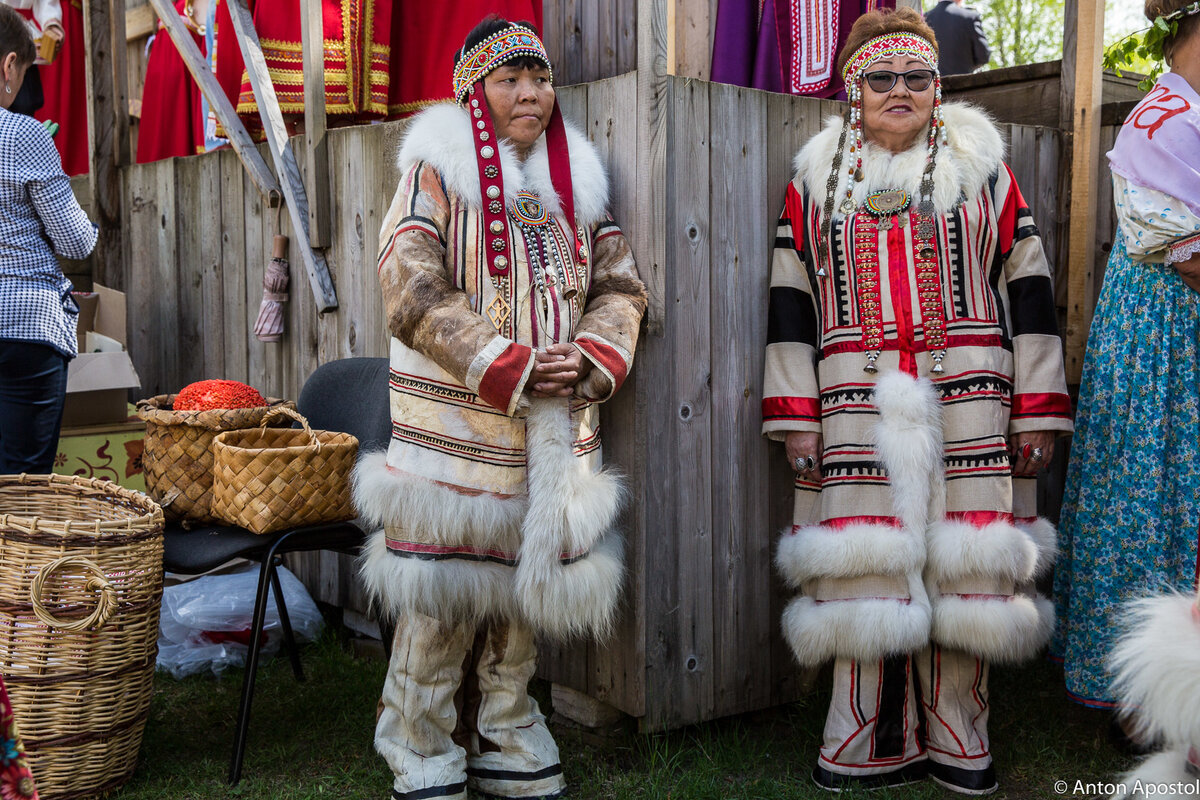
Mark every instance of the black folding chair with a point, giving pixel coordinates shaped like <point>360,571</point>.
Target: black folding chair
<point>351,396</point>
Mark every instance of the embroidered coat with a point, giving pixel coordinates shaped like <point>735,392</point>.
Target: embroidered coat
<point>915,523</point>
<point>493,503</point>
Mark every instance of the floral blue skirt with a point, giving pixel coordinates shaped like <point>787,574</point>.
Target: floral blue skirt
<point>1132,503</point>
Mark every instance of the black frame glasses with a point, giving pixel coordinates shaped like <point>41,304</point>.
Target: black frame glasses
<point>917,80</point>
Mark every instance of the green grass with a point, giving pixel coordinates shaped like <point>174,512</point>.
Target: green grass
<point>313,741</point>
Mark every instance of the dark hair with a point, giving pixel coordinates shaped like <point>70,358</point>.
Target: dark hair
<point>1187,24</point>
<point>884,21</point>
<point>493,24</point>
<point>15,37</point>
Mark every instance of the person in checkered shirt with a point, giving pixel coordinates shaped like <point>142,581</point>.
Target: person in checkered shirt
<point>39,220</point>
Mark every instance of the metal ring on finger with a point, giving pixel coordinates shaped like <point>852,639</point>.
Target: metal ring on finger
<point>1037,454</point>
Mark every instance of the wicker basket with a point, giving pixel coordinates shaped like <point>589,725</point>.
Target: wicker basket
<point>178,459</point>
<point>80,587</point>
<point>267,479</point>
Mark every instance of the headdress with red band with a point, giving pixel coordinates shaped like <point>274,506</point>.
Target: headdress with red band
<point>513,42</point>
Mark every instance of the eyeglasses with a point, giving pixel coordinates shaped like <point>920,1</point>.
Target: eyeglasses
<point>882,80</point>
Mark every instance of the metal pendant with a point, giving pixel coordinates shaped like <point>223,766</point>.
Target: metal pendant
<point>821,273</point>
<point>497,312</point>
<point>902,220</point>
<point>885,224</point>
<point>848,206</point>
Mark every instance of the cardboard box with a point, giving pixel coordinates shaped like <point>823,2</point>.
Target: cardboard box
<point>98,383</point>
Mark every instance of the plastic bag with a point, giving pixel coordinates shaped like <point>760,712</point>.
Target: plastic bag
<point>205,623</point>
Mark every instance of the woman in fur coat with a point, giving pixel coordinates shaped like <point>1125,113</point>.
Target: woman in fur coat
<point>514,304</point>
<point>914,372</point>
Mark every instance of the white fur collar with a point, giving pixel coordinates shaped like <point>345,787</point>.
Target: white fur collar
<point>443,136</point>
<point>974,152</point>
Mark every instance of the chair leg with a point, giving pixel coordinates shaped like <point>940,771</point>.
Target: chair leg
<point>285,622</point>
<point>265,574</point>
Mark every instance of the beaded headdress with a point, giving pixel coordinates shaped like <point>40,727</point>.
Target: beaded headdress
<point>513,42</point>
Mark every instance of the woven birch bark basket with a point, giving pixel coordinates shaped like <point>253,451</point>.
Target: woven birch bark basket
<point>269,479</point>
<point>178,458</point>
<point>80,588</point>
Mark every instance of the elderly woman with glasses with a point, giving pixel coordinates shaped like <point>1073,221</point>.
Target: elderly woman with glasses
<point>914,373</point>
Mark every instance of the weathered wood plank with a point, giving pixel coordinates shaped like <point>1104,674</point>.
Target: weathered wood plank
<point>108,132</point>
<point>739,277</point>
<point>192,333</point>
<point>316,150</point>
<point>1081,62</point>
<point>239,314</point>
<point>617,666</point>
<point>689,667</point>
<point>142,223</point>
<point>164,267</point>
<point>211,290</point>
<point>691,37</point>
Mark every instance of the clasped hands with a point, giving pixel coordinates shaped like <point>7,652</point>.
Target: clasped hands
<point>556,370</point>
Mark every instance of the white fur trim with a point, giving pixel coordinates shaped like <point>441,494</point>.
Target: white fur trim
<point>452,591</point>
<point>961,550</point>
<point>908,439</point>
<point>1003,630</point>
<point>974,151</point>
<point>571,509</point>
<point>384,496</point>
<point>443,136</point>
<point>819,551</point>
<point>863,629</point>
<point>1045,537</point>
<point>1156,776</point>
<point>1156,667</point>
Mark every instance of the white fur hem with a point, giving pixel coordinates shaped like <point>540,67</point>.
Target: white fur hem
<point>1002,630</point>
<point>437,513</point>
<point>1156,667</point>
<point>443,136</point>
<point>1162,776</point>
<point>819,551</point>
<point>960,550</point>
<point>908,438</point>
<point>866,629</point>
<point>451,591</point>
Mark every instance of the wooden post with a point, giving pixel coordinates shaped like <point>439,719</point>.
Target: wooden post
<point>281,151</point>
<point>243,145</point>
<point>1081,86</point>
<point>316,151</point>
<point>108,132</point>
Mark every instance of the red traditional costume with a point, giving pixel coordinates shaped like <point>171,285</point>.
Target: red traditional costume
<point>356,58</point>
<point>418,70</point>
<point>171,123</point>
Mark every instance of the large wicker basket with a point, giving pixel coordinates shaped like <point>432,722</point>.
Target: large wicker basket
<point>80,587</point>
<point>178,459</point>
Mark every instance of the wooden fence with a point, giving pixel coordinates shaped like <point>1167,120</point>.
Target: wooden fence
<point>699,636</point>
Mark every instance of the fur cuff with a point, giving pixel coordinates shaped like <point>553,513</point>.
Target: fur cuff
<point>1156,776</point>
<point>819,551</point>
<point>960,550</point>
<point>1004,630</point>
<point>865,629</point>
<point>1156,667</point>
<point>438,514</point>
